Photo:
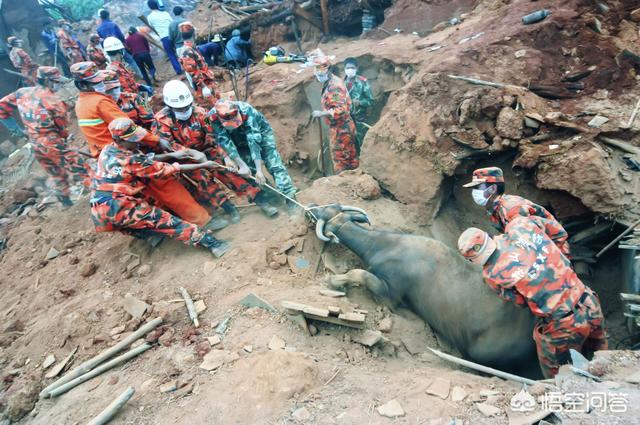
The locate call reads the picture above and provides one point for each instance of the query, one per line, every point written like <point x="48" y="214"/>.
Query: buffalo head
<point x="330" y="218"/>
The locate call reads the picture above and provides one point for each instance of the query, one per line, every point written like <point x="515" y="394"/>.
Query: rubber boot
<point x="231" y="209"/>
<point x="216" y="223"/>
<point x="65" y="201"/>
<point x="268" y="209"/>
<point x="218" y="247"/>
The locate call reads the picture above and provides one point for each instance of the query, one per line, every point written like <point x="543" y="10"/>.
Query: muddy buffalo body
<point x="437" y="284"/>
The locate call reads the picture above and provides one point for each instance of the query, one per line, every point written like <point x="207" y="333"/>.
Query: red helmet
<point x="86" y="71"/>
<point x="228" y="114"/>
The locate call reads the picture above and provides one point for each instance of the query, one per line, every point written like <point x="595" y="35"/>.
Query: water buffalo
<point x="435" y="282"/>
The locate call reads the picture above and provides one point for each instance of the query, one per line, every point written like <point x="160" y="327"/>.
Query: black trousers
<point x="145" y="63"/>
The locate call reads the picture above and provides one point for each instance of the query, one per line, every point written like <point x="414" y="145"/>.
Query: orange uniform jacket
<point x="95" y="111"/>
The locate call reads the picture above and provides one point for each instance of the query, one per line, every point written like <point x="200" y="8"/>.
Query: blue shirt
<point x="49" y="38"/>
<point x="236" y="49"/>
<point x="108" y="28"/>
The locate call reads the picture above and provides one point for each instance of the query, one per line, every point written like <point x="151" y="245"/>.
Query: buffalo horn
<point x="320" y="231"/>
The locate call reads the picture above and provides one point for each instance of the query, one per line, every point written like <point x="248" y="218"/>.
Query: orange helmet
<point x="486" y="175"/>
<point x="125" y="129"/>
<point x="49" y="73"/>
<point x="111" y="79"/>
<point x="86" y="71"/>
<point x="476" y="245"/>
<point x="228" y="114"/>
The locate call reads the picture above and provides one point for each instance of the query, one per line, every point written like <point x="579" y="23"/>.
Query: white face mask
<point x="350" y="72"/>
<point x="115" y="93"/>
<point x="322" y="76"/>
<point x="183" y="116"/>
<point x="100" y="87"/>
<point x="478" y="197"/>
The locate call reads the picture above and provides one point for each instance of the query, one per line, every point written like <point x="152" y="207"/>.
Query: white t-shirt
<point x="160" y="21"/>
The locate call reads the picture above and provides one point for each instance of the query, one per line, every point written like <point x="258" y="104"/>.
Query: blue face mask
<point x="100" y="87"/>
<point x="322" y="77"/>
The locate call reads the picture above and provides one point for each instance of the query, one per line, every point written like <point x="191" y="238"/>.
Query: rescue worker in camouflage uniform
<point x="195" y="67"/>
<point x="123" y="173"/>
<point x="96" y="110"/>
<point x="45" y="117"/>
<point x="488" y="191"/>
<point x="247" y="137"/>
<point x="525" y="266"/>
<point x="115" y="50"/>
<point x="131" y="104"/>
<point x="95" y="52"/>
<point x="361" y="98"/>
<point x="336" y="110"/>
<point x="69" y="46"/>
<point x="22" y="61"/>
<point x="188" y="126"/>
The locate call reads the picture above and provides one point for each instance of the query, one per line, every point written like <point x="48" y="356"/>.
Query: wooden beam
<point x="307" y="16"/>
<point x="324" y="7"/>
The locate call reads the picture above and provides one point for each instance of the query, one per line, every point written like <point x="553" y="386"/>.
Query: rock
<point x="143" y="270"/>
<point x="367" y="187"/>
<point x="440" y="388"/>
<point x="88" y="269"/>
<point x="277" y="343"/>
<point x="50" y="360"/>
<point x="635" y="15"/>
<point x="167" y="337"/>
<point x="214" y="340"/>
<point x="313" y="330"/>
<point x="531" y="123"/>
<point x="248" y="348"/>
<point x="169" y="386"/>
<point x="117" y="330"/>
<point x="21" y="397"/>
<point x="20" y="196"/>
<point x="200" y="306"/>
<point x="73" y="260"/>
<point x="368" y="338"/>
<point x="332" y="293"/>
<point x="487" y="409"/>
<point x="597" y="121"/>
<point x="520" y="53"/>
<point x="458" y="394"/>
<point x="485" y="392"/>
<point x="7" y="148"/>
<point x="509" y="123"/>
<point x="217" y="358"/>
<point x="391" y="409"/>
<point x="385" y="324"/>
<point x="301" y="414"/>
<point x="252" y="300"/>
<point x="51" y="254"/>
<point x="134" y="306"/>
<point x="585" y="172"/>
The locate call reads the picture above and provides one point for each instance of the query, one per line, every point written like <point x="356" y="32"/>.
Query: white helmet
<point x="176" y="94"/>
<point x="112" y="44"/>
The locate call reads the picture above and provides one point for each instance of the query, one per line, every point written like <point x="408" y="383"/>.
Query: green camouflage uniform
<point x="361" y="100"/>
<point x="254" y="140"/>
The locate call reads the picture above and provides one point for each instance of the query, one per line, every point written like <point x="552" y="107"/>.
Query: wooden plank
<point x="358" y="310"/>
<point x="630" y="297"/>
<point x="332" y="293"/>
<point x="352" y="317"/>
<point x="335" y="321"/>
<point x="334" y="311"/>
<point x="293" y="306"/>
<point x="634" y="308"/>
<point x="324" y="8"/>
<point x="307" y="16"/>
<point x="321" y="312"/>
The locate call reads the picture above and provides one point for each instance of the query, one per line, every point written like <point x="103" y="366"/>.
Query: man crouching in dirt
<point x="525" y="267"/>
<point x="123" y="173"/>
<point x="488" y="191"/>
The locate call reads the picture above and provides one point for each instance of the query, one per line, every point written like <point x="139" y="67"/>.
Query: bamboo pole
<point x="617" y="239"/>
<point x="100" y="369"/>
<point x="112" y="409"/>
<point x="193" y="314"/>
<point x="105" y="355"/>
<point x="633" y="115"/>
<point x="483" y="369"/>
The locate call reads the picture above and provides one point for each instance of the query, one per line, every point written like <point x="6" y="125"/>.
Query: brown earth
<point x="428" y="134"/>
